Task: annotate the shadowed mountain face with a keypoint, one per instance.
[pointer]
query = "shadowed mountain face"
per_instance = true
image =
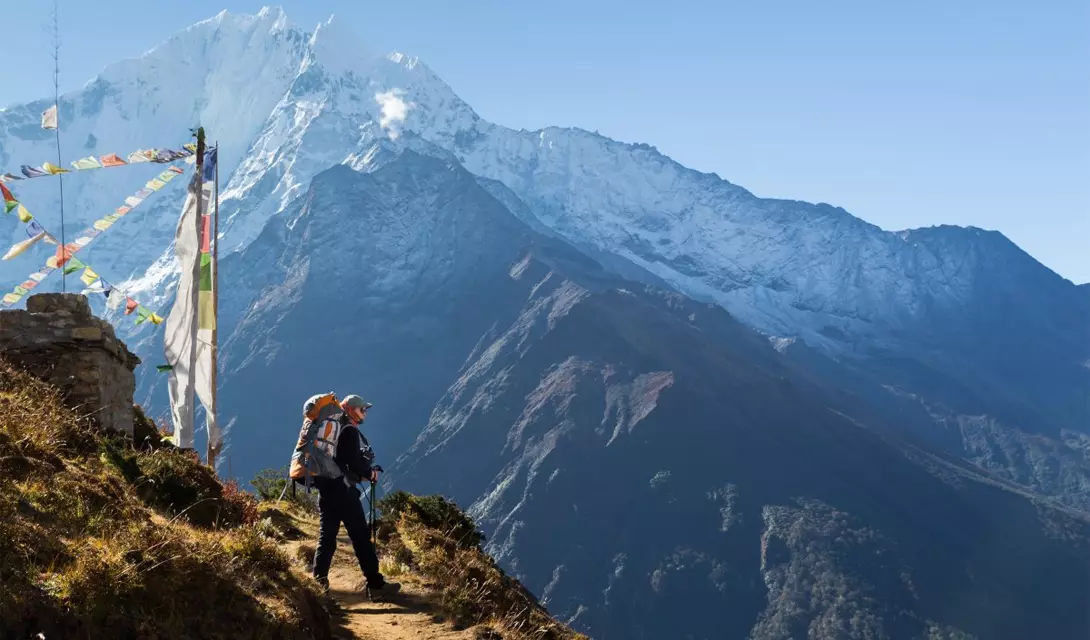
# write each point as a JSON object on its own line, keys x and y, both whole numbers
{"x": 648, "y": 465}
{"x": 962, "y": 339}
{"x": 639, "y": 457}
{"x": 660, "y": 474}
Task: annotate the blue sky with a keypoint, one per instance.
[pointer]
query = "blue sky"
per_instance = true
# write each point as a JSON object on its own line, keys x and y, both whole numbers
{"x": 906, "y": 114}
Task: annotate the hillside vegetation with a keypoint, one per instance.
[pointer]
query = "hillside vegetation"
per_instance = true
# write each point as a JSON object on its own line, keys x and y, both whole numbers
{"x": 99, "y": 538}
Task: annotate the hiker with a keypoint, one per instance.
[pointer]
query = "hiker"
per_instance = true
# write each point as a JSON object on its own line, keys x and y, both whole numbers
{"x": 338, "y": 495}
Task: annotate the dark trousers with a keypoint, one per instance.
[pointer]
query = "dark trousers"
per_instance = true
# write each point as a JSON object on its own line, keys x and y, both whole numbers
{"x": 338, "y": 503}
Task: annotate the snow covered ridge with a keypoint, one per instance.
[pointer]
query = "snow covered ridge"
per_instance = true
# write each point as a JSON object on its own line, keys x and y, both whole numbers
{"x": 285, "y": 103}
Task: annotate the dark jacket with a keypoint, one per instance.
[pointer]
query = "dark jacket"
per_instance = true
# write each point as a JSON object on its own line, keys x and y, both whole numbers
{"x": 354, "y": 455}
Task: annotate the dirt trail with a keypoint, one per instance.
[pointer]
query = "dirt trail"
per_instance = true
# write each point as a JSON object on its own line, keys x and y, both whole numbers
{"x": 412, "y": 614}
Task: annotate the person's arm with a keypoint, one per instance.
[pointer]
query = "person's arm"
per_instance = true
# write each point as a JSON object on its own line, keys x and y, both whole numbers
{"x": 351, "y": 456}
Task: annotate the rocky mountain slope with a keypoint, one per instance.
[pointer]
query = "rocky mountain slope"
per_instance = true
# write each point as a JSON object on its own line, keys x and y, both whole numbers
{"x": 953, "y": 317}
{"x": 826, "y": 380}
{"x": 644, "y": 462}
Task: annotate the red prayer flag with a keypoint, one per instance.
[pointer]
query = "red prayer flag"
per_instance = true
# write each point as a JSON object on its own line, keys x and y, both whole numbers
{"x": 206, "y": 233}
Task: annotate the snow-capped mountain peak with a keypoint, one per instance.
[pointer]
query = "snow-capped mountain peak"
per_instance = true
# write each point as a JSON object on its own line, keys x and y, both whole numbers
{"x": 285, "y": 104}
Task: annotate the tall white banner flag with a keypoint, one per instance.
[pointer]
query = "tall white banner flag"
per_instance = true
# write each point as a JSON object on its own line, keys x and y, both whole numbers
{"x": 180, "y": 334}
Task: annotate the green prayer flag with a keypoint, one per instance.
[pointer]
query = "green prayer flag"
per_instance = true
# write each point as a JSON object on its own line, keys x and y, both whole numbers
{"x": 73, "y": 265}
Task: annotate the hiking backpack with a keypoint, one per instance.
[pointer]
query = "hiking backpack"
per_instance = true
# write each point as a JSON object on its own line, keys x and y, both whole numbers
{"x": 317, "y": 446}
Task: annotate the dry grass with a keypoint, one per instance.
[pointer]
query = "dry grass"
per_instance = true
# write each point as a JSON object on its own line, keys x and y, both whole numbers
{"x": 100, "y": 540}
{"x": 433, "y": 538}
{"x": 431, "y": 542}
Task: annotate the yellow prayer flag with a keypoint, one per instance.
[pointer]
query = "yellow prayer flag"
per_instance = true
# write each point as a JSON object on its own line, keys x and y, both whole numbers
{"x": 53, "y": 169}
{"x": 88, "y": 276}
{"x": 24, "y": 215}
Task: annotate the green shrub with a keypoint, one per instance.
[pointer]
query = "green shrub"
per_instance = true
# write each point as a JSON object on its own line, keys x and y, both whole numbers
{"x": 270, "y": 484}
{"x": 434, "y": 512}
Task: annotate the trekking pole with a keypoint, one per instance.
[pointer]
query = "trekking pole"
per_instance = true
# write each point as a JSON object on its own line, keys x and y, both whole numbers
{"x": 374, "y": 526}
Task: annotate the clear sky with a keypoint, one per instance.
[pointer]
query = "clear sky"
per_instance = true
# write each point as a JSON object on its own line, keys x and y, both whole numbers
{"x": 907, "y": 114}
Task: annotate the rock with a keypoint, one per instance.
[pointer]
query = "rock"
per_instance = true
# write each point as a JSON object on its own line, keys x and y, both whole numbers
{"x": 58, "y": 340}
{"x": 54, "y": 302}
{"x": 87, "y": 333}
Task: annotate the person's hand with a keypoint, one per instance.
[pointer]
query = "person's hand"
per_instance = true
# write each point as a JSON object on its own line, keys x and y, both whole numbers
{"x": 374, "y": 474}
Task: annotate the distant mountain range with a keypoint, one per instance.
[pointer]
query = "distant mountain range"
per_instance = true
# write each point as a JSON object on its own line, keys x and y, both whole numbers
{"x": 679, "y": 410}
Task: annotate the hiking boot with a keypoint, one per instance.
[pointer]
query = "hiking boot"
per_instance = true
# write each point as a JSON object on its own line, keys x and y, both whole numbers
{"x": 383, "y": 591}
{"x": 323, "y": 585}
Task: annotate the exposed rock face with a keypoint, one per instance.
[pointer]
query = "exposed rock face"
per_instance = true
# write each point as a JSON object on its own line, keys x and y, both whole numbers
{"x": 58, "y": 340}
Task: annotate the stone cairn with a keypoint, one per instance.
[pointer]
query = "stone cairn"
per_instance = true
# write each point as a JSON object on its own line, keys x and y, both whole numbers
{"x": 58, "y": 340}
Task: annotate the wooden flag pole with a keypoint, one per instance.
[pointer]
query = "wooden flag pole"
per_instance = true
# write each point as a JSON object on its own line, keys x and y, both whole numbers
{"x": 214, "y": 448}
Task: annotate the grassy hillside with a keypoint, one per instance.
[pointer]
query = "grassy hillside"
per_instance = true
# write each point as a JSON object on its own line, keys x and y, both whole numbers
{"x": 99, "y": 539}
{"x": 430, "y": 544}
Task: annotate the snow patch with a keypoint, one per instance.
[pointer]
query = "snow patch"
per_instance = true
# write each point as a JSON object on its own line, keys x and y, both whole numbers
{"x": 547, "y": 591}
{"x": 781, "y": 344}
{"x": 394, "y": 111}
{"x": 520, "y": 267}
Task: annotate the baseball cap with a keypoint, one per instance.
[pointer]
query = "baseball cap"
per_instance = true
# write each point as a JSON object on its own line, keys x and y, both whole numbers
{"x": 355, "y": 402}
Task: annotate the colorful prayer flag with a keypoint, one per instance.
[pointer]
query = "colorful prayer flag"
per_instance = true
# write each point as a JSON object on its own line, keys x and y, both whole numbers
{"x": 90, "y": 162}
{"x": 61, "y": 257}
{"x": 53, "y": 169}
{"x": 94, "y": 287}
{"x": 24, "y": 215}
{"x": 9, "y": 200}
{"x": 73, "y": 265}
{"x": 33, "y": 228}
{"x": 49, "y": 118}
{"x": 111, "y": 160}
{"x": 32, "y": 172}
{"x": 20, "y": 247}
{"x": 113, "y": 303}
{"x": 130, "y": 305}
